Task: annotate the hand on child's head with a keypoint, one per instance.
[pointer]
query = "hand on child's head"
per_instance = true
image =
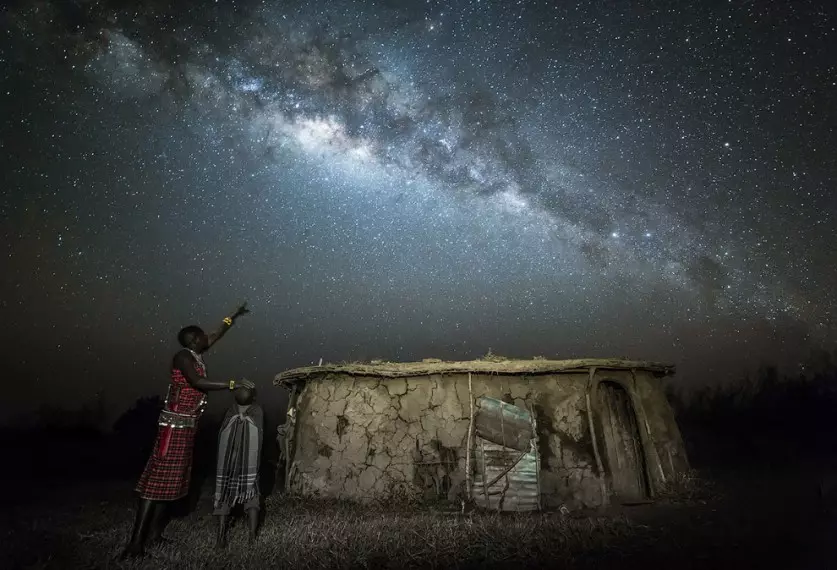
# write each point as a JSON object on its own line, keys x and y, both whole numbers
{"x": 244, "y": 395}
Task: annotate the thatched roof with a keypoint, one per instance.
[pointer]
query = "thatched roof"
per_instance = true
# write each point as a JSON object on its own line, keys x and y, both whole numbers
{"x": 488, "y": 366}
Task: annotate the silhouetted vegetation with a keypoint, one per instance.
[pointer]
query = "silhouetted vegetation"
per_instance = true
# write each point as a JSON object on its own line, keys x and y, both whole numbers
{"x": 133, "y": 434}
{"x": 62, "y": 445}
{"x": 766, "y": 420}
{"x": 65, "y": 446}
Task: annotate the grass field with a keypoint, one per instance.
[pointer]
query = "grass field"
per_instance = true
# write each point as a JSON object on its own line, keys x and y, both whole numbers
{"x": 749, "y": 526}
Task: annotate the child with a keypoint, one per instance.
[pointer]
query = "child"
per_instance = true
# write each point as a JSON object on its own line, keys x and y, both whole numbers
{"x": 239, "y": 454}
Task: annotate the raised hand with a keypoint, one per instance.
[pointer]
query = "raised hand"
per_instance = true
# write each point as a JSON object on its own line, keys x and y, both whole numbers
{"x": 242, "y": 310}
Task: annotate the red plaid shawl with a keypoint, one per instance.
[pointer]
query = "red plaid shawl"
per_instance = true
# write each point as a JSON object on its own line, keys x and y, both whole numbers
{"x": 169, "y": 469}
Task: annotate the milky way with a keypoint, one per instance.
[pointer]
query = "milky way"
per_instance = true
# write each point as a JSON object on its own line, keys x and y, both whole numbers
{"x": 435, "y": 179}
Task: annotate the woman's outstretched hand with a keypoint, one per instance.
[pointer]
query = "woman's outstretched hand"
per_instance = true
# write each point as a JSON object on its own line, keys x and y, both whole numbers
{"x": 242, "y": 310}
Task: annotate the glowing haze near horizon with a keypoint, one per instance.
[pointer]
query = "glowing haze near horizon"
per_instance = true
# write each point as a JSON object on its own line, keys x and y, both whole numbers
{"x": 431, "y": 179}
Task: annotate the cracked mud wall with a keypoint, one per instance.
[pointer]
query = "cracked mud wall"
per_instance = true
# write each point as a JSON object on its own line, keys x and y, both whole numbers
{"x": 369, "y": 438}
{"x": 568, "y": 466}
{"x": 667, "y": 442}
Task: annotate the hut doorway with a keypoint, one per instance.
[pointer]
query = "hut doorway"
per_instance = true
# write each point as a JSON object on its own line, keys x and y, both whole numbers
{"x": 622, "y": 444}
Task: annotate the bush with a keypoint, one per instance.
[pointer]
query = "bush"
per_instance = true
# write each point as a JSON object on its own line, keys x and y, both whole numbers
{"x": 763, "y": 420}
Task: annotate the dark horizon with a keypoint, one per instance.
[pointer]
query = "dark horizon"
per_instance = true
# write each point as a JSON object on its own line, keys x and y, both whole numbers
{"x": 274, "y": 398}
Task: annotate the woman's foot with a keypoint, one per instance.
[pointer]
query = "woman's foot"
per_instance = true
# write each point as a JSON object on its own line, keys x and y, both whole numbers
{"x": 132, "y": 551}
{"x": 160, "y": 540}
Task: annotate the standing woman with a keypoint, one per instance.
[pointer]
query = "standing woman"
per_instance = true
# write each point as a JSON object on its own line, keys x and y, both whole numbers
{"x": 168, "y": 471}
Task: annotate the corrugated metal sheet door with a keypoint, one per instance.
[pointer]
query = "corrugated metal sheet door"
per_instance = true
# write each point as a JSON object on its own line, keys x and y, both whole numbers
{"x": 506, "y": 458}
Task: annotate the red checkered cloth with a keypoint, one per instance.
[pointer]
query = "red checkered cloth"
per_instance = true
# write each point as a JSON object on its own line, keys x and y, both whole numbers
{"x": 169, "y": 469}
{"x": 167, "y": 475}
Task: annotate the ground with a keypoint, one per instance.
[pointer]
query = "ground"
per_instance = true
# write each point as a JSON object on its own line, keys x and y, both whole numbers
{"x": 751, "y": 520}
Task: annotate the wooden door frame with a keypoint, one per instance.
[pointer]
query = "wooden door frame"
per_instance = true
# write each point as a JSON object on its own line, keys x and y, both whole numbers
{"x": 596, "y": 378}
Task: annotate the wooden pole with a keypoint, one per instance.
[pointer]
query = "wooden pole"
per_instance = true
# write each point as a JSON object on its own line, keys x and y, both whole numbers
{"x": 507, "y": 469}
{"x": 289, "y": 435}
{"x": 503, "y": 433}
{"x": 468, "y": 445}
{"x": 599, "y": 465}
{"x": 484, "y": 475}
{"x": 646, "y": 438}
{"x": 536, "y": 451}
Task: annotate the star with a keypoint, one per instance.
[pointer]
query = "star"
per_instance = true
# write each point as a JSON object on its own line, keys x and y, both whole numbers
{"x": 415, "y": 179}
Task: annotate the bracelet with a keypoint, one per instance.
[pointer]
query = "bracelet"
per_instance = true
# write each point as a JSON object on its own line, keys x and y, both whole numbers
{"x": 232, "y": 384}
{"x": 228, "y": 321}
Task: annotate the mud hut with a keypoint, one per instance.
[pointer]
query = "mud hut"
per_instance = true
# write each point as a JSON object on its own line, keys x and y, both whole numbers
{"x": 506, "y": 434}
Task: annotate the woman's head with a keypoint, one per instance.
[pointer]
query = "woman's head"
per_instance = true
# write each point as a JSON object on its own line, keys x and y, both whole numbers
{"x": 193, "y": 337}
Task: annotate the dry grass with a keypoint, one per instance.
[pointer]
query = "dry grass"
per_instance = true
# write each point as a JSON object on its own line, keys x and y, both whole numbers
{"x": 87, "y": 529}
{"x": 690, "y": 488}
{"x": 491, "y": 357}
{"x": 313, "y": 534}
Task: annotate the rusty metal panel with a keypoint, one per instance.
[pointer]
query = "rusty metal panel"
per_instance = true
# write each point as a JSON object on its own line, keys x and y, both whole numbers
{"x": 503, "y": 424}
{"x": 517, "y": 489}
{"x": 507, "y": 475}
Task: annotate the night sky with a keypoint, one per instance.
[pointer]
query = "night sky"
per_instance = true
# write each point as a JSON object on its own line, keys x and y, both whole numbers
{"x": 403, "y": 180}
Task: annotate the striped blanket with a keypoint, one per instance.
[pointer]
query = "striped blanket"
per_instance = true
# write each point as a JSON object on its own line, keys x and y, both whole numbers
{"x": 239, "y": 451}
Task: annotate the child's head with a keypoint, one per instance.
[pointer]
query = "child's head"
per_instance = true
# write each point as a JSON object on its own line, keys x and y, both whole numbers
{"x": 244, "y": 396}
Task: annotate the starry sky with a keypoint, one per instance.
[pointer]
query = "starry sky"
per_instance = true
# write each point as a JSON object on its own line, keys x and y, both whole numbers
{"x": 402, "y": 180}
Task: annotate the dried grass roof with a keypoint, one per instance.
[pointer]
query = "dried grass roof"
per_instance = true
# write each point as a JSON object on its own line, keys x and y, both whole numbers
{"x": 493, "y": 365}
